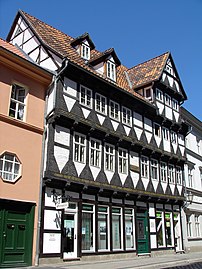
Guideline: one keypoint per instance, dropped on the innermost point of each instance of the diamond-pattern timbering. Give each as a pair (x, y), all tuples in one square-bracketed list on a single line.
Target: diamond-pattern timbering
[(86, 173), (129, 183), (168, 190), (159, 189), (120, 129), (107, 124), (143, 138), (116, 180), (69, 169), (77, 110), (140, 185), (150, 187), (93, 117), (133, 134), (101, 177)]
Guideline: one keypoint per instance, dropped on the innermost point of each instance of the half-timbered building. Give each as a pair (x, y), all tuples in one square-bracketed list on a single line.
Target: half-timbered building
[(114, 147)]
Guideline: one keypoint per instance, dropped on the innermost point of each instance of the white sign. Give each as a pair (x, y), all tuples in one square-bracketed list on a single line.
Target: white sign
[(62, 205)]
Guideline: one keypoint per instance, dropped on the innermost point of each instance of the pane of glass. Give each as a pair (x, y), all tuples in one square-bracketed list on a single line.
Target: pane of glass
[(116, 231), (129, 231), (87, 231), (20, 111), (102, 231)]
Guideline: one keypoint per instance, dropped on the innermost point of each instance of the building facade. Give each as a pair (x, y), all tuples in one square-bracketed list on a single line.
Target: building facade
[(22, 93), (114, 150), (192, 213)]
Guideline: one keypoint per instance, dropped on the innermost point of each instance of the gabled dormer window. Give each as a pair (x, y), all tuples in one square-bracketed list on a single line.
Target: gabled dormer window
[(85, 51), (111, 70)]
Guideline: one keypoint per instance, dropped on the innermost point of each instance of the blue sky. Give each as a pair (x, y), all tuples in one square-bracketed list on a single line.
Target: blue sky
[(138, 30)]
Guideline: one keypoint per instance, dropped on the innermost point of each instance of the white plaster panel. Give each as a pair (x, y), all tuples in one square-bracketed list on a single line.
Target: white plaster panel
[(179, 187), (69, 102), (99, 68), (23, 24), (127, 129), (176, 115), (43, 54), (129, 202), (27, 35), (95, 171), (177, 86), (148, 136), (158, 140), (138, 132), (51, 243), (115, 124), (62, 135), (153, 241), (152, 223), (17, 40), (160, 107), (34, 55), (117, 201), (86, 112), (88, 197), (168, 113), (50, 104), (148, 124), (101, 118), (172, 187), (145, 182), (61, 156), (70, 87), (151, 210), (166, 145), (135, 178), (164, 186), (56, 58), (182, 149), (49, 196), (123, 177), (79, 167), (163, 76), (155, 184), (52, 219), (137, 119), (109, 175), (134, 158), (170, 79), (49, 64), (174, 147), (72, 194), (103, 199)]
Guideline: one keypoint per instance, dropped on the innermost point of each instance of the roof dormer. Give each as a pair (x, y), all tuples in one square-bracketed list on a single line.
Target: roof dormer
[(83, 45), (106, 63)]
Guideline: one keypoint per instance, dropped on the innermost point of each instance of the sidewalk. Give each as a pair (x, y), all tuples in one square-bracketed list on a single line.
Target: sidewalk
[(157, 262)]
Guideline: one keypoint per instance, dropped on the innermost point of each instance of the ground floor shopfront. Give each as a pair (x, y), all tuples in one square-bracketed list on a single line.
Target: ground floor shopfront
[(75, 224), (16, 233)]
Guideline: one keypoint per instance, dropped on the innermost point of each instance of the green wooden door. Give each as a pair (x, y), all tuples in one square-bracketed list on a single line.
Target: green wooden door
[(16, 236), (142, 233)]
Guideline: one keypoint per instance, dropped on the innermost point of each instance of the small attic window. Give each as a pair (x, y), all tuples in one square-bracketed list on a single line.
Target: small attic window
[(111, 70), (85, 51)]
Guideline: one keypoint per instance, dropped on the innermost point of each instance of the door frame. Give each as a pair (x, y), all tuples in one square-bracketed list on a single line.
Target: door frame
[(72, 212), (143, 214)]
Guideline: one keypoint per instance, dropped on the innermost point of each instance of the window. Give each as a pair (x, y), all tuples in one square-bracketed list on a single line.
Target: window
[(17, 103), (167, 100), (144, 167), (157, 130), (165, 134), (175, 104), (168, 229), (109, 157), (85, 51), (160, 229), (95, 152), (126, 116), (103, 228), (154, 169), (148, 93), (171, 174), (10, 167), (111, 70), (79, 148), (159, 95), (85, 96), (179, 175), (197, 226), (189, 226), (100, 103), (123, 161), (114, 110), (88, 236), (163, 172), (173, 137), (129, 223), (116, 228), (190, 177)]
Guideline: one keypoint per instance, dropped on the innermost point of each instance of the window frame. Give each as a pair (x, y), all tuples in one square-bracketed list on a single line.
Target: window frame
[(168, 100), (111, 70), (123, 169), (154, 169), (159, 93), (166, 134), (80, 146), (110, 164), (171, 174), (18, 102), (96, 150), (5, 163), (163, 172), (87, 98), (175, 104), (127, 118), (179, 179), (115, 113), (101, 110), (85, 51), (144, 167), (157, 130)]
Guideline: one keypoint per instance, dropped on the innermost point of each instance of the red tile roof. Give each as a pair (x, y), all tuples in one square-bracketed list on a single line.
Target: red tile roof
[(12, 48), (61, 44)]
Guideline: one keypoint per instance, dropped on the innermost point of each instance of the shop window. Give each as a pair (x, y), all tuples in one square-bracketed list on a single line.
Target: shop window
[(17, 102), (103, 228), (116, 228), (129, 224), (10, 167), (88, 236), (160, 229), (168, 229)]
